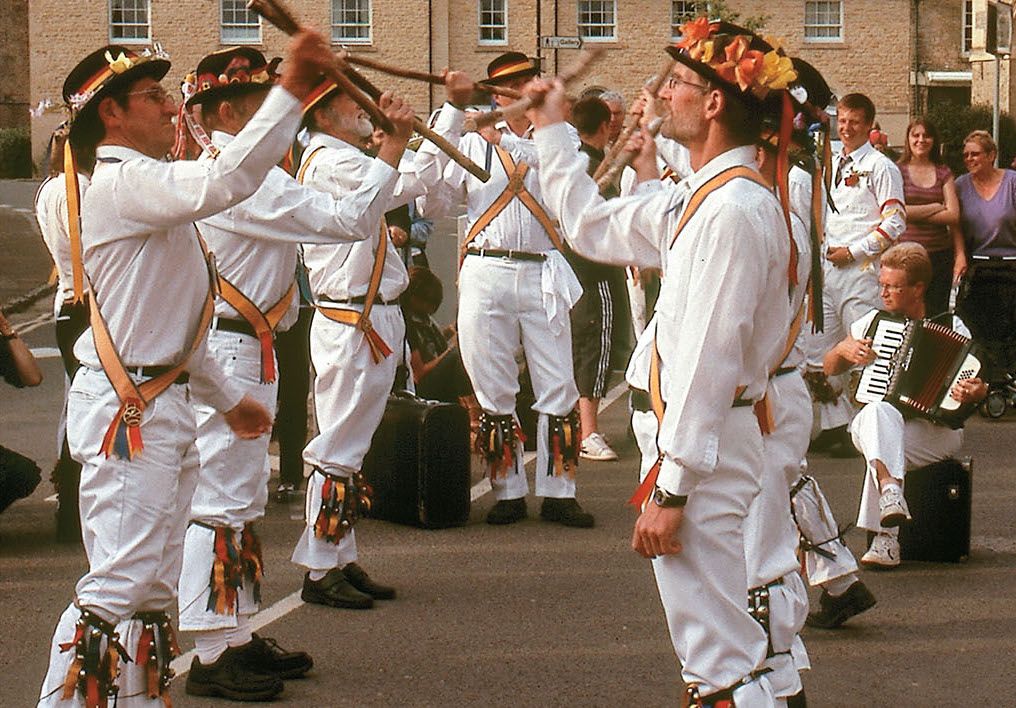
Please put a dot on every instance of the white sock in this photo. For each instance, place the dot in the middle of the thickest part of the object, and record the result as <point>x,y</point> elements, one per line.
<point>240,634</point>
<point>210,644</point>
<point>885,487</point>
<point>838,586</point>
<point>316,575</point>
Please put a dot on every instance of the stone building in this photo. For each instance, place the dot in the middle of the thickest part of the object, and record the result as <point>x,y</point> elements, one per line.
<point>903,53</point>
<point>14,89</point>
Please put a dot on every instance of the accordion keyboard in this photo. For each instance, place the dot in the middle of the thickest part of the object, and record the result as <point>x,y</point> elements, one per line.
<point>970,368</point>
<point>877,376</point>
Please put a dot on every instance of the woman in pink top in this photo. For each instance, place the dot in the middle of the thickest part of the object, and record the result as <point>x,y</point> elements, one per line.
<point>933,211</point>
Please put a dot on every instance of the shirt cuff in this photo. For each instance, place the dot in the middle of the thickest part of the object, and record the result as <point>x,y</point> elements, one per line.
<point>552,137</point>
<point>857,251</point>
<point>281,101</point>
<point>448,125</point>
<point>650,186</point>
<point>675,478</point>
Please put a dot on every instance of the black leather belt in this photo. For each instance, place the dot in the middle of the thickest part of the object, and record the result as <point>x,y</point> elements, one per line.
<point>238,326</point>
<point>151,372</point>
<point>502,253</point>
<point>784,370</point>
<point>359,300</point>
<point>640,400</point>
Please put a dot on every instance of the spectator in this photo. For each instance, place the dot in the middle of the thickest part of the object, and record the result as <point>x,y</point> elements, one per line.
<point>593,315</point>
<point>615,104</point>
<point>933,210</point>
<point>18,475</point>
<point>434,354</point>
<point>987,196</point>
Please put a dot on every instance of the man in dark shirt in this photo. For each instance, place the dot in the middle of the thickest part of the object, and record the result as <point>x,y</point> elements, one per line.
<point>593,315</point>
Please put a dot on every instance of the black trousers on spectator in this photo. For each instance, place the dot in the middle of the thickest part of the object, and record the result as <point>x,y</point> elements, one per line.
<point>447,381</point>
<point>592,321</point>
<point>936,298</point>
<point>292,349</point>
<point>71,321</point>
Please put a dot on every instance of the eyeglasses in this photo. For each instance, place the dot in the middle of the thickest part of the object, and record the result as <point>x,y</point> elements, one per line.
<point>155,94</point>
<point>894,289</point>
<point>673,81</point>
<point>972,154</point>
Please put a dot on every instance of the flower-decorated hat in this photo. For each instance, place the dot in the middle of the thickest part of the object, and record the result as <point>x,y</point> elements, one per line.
<point>230,72</point>
<point>106,70</point>
<point>733,58</point>
<point>326,88</point>
<point>510,65</point>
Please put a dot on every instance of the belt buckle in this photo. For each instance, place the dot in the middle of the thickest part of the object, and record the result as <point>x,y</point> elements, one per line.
<point>508,255</point>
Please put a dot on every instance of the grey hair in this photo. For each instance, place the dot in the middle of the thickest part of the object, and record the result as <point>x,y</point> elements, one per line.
<point>613,96</point>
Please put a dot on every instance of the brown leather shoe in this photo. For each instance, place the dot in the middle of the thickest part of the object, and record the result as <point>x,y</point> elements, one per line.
<point>334,590</point>
<point>566,512</point>
<point>359,579</point>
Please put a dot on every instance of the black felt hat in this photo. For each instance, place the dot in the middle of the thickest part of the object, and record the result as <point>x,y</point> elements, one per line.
<point>511,65</point>
<point>230,72</point>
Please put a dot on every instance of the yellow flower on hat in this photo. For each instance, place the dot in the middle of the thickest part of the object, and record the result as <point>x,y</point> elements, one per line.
<point>119,65</point>
<point>777,71</point>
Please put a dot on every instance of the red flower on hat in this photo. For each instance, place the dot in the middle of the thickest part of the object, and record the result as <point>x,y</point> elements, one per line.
<point>694,32</point>
<point>743,64</point>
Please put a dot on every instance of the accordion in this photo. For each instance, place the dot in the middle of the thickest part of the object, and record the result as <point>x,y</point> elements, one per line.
<point>917,364</point>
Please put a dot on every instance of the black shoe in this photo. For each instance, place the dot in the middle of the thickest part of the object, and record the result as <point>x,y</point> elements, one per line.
<point>507,511</point>
<point>566,512</point>
<point>335,591</point>
<point>283,491</point>
<point>230,677</point>
<point>834,610</point>
<point>822,442</point>
<point>359,579</point>
<point>843,450</point>
<point>263,655</point>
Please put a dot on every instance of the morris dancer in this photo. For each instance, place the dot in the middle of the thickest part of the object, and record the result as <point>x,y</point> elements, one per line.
<point>151,305</point>
<point>256,245</point>
<point>722,316</point>
<point>357,325</point>
<point>515,294</point>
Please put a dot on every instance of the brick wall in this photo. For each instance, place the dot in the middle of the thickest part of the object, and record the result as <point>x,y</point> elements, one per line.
<point>14,89</point>
<point>874,56</point>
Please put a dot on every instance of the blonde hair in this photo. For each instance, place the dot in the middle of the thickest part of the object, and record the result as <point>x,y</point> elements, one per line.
<point>912,259</point>
<point>984,139</point>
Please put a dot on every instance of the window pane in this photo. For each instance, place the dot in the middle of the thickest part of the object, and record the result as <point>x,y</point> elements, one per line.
<point>351,21</point>
<point>128,19</point>
<point>493,21</point>
<point>823,19</point>
<point>596,19</point>
<point>239,25</point>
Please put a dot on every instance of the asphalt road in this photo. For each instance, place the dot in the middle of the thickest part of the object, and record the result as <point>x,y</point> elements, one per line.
<point>536,614</point>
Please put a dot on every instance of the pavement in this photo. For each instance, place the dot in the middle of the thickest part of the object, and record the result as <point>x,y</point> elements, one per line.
<point>533,614</point>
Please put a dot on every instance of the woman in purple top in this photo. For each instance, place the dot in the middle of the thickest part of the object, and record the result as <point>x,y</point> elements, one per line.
<point>933,211</point>
<point>987,195</point>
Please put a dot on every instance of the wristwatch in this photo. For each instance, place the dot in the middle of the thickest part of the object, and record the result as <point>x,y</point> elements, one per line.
<point>667,500</point>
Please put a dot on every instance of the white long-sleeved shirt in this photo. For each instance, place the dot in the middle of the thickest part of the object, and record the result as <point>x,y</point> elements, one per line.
<point>141,251</point>
<point>723,309</point>
<point>870,215</point>
<point>51,213</point>
<point>515,228</point>
<point>255,242</point>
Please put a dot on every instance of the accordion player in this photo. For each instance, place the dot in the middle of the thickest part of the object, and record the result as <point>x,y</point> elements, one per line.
<point>917,364</point>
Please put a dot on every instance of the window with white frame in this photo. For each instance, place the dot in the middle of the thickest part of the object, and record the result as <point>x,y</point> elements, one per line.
<point>493,21</point>
<point>351,21</point>
<point>129,21</point>
<point>681,11</point>
<point>823,20</point>
<point>597,20</point>
<point>968,26</point>
<point>238,24</point>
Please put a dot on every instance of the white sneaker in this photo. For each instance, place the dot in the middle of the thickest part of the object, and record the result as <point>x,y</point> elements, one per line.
<point>892,507</point>
<point>594,447</point>
<point>884,553</point>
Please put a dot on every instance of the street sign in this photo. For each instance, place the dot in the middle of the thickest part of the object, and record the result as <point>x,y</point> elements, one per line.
<point>560,42</point>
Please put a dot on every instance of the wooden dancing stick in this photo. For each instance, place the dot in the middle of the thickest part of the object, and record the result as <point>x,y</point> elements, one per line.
<point>631,122</point>
<point>625,158</point>
<point>573,72</point>
<point>351,58</point>
<point>279,16</point>
<point>276,14</point>
<point>424,130</point>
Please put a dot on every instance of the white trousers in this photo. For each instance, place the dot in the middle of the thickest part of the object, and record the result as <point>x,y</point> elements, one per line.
<point>501,314</point>
<point>703,588</point>
<point>880,433</point>
<point>817,524</point>
<point>847,295</point>
<point>232,487</point>
<point>133,512</point>
<point>350,393</point>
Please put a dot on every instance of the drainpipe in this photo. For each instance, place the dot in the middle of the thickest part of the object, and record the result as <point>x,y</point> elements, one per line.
<point>539,32</point>
<point>916,103</point>
<point>430,55</point>
<point>555,34</point>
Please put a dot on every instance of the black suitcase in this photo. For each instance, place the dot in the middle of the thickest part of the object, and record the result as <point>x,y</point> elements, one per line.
<point>419,463</point>
<point>939,499</point>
